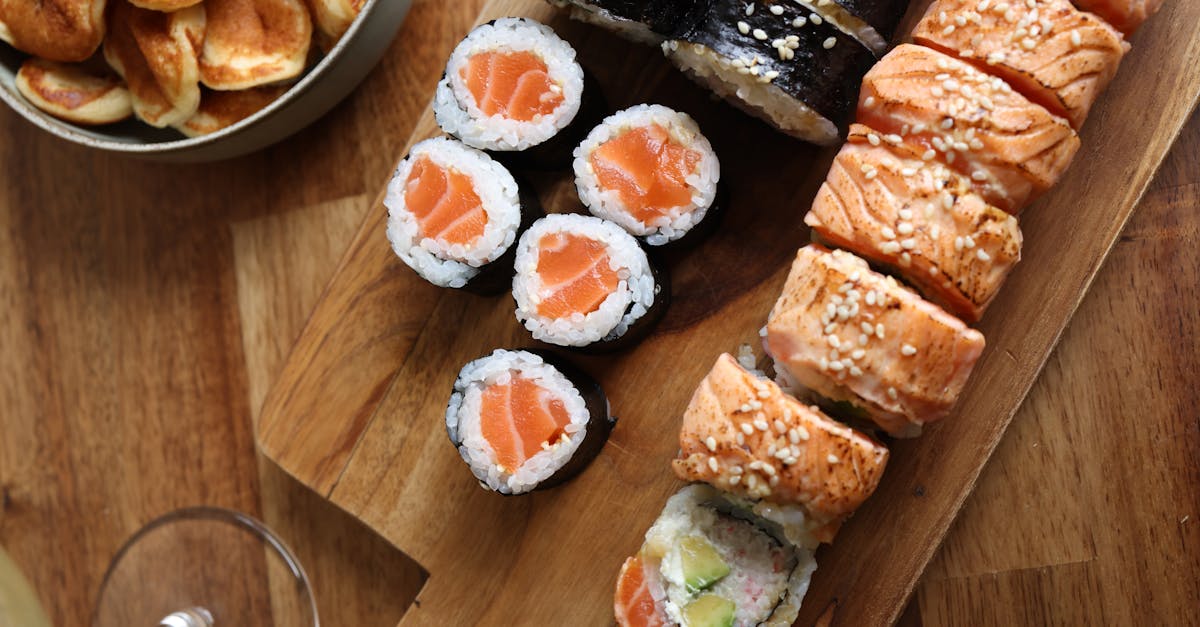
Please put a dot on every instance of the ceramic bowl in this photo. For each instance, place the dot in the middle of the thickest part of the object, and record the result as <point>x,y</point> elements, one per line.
<point>325,84</point>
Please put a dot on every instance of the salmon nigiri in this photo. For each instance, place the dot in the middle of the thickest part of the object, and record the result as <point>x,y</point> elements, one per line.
<point>1011,149</point>
<point>1056,55</point>
<point>853,335</point>
<point>921,218</point>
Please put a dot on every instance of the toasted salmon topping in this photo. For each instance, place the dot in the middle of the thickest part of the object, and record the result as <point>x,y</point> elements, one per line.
<point>648,169</point>
<point>444,203</point>
<point>515,85</point>
<point>519,419</point>
<point>575,273</point>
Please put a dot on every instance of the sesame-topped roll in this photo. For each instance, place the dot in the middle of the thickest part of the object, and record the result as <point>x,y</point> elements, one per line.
<point>1012,149</point>
<point>1056,55</point>
<point>744,436</point>
<point>872,346</point>
<point>776,60</point>
<point>920,218</point>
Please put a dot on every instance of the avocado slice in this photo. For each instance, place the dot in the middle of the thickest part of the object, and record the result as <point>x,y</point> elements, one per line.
<point>709,610</point>
<point>702,564</point>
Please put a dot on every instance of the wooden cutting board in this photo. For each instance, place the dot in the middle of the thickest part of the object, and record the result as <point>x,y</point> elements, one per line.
<point>357,411</point>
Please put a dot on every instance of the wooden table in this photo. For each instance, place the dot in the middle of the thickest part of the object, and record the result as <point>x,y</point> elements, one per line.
<point>144,310</point>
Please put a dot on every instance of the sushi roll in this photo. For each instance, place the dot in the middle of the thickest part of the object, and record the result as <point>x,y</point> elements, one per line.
<point>650,170</point>
<point>775,60</point>
<point>525,421</point>
<point>643,21</point>
<point>873,22</point>
<point>454,214</point>
<point>709,560</point>
<point>1126,15</point>
<point>744,436</point>
<point>513,87</point>
<point>1012,149</point>
<point>582,281</point>
<point>1062,58</point>
<point>874,348</point>
<point>918,218</point>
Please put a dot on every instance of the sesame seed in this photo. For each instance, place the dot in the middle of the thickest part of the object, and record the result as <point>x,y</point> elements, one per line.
<point>869,102</point>
<point>789,460</point>
<point>872,138</point>
<point>889,248</point>
<point>908,350</point>
<point>908,243</point>
<point>888,233</point>
<point>799,22</point>
<point>834,341</point>
<point>735,469</point>
<point>768,470</point>
<point>747,428</point>
<point>741,439</point>
<point>904,228</point>
<point>734,480</point>
<point>891,392</point>
<point>929,154</point>
<point>831,458</point>
<point>750,9</point>
<point>803,433</point>
<point>879,331</point>
<point>829,43</point>
<point>836,366</point>
<point>744,408</point>
<point>743,28</point>
<point>870,298</point>
<point>979,175</point>
<point>776,9</point>
<point>751,481</point>
<point>779,426</point>
<point>711,443</point>
<point>1075,38</point>
<point>983,256</point>
<point>858,354</point>
<point>908,172</point>
<point>969,242</point>
<point>862,340</point>
<point>793,436</point>
<point>958,243</point>
<point>816,19</point>
<point>760,34</point>
<point>712,464</point>
<point>948,123</point>
<point>855,371</point>
<point>754,465</point>
<point>761,425</point>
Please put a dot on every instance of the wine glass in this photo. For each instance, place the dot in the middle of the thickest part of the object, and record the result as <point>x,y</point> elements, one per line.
<point>205,567</point>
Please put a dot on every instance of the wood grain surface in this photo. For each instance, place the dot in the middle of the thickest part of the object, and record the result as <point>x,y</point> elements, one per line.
<point>145,310</point>
<point>356,413</point>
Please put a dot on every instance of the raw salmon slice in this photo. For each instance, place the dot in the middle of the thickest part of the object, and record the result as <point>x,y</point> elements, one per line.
<point>445,204</point>
<point>1056,55</point>
<point>648,169</point>
<point>743,435</point>
<point>921,218</point>
<point>633,603</point>
<point>1125,15</point>
<point>575,274</point>
<point>519,419</point>
<point>851,334</point>
<point>1012,149</point>
<point>515,85</point>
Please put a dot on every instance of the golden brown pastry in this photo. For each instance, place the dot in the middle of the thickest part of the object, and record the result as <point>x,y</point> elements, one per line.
<point>219,109</point>
<point>155,53</point>
<point>333,17</point>
<point>74,92</point>
<point>254,42</point>
<point>57,30</point>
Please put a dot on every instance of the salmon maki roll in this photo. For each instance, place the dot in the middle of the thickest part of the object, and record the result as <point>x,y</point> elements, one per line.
<point>524,421</point>
<point>1012,149</point>
<point>920,218</point>
<point>1056,55</point>
<point>1126,15</point>
<point>743,435</point>
<point>454,215</point>
<point>777,61</point>
<point>865,342</point>
<point>709,560</point>
<point>582,281</point>
<point>650,170</point>
<point>513,86</point>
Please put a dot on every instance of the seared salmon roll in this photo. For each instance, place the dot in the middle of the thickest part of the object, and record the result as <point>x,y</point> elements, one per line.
<point>454,215</point>
<point>920,218</point>
<point>745,436</point>
<point>1126,15</point>
<point>584,282</point>
<point>872,346</point>
<point>524,421</point>
<point>1012,149</point>
<point>1056,55</point>
<point>709,560</point>
<point>650,170</point>
<point>778,61</point>
<point>514,86</point>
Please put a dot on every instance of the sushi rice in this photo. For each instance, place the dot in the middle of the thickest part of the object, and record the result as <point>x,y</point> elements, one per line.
<point>464,425</point>
<point>458,113</point>
<point>453,265</point>
<point>607,204</point>
<point>633,297</point>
